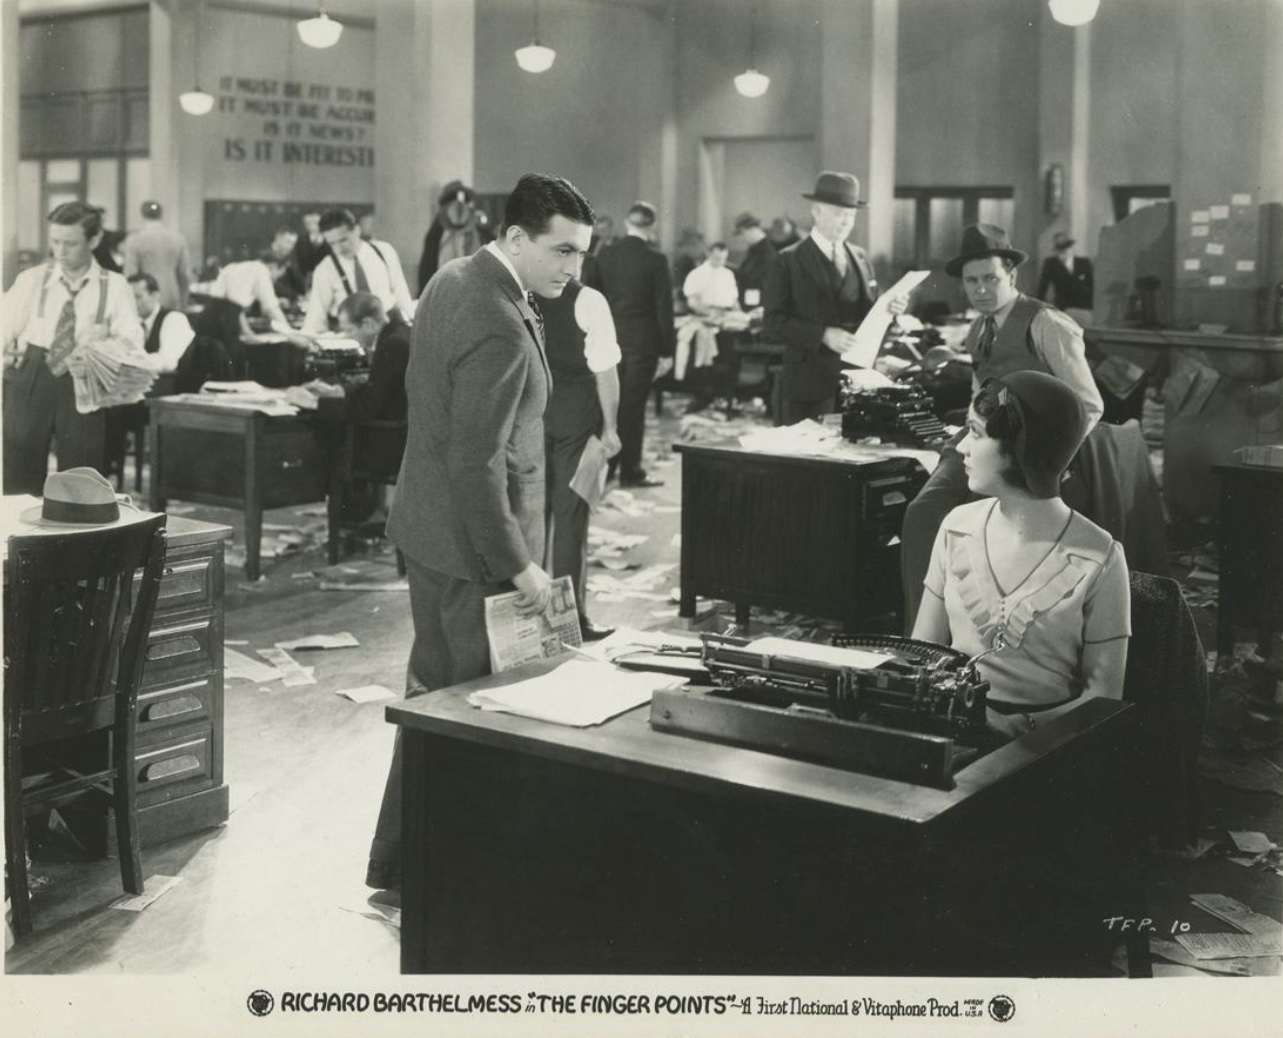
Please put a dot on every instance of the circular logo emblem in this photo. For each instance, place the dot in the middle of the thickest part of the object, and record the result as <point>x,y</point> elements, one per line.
<point>261,1003</point>
<point>1002,1008</point>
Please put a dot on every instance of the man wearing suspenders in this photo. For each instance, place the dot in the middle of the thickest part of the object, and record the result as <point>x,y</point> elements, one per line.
<point>354,265</point>
<point>49,313</point>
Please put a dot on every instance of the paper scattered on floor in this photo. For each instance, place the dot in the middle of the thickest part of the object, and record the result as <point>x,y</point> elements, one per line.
<point>578,693</point>
<point>367,693</point>
<point>1237,914</point>
<point>1229,945</point>
<point>365,585</point>
<point>342,640</point>
<point>1252,842</point>
<point>238,665</point>
<point>153,888</point>
<point>291,672</point>
<point>1173,952</point>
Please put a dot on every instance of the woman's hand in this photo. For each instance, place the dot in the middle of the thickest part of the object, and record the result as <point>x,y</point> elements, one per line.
<point>1012,726</point>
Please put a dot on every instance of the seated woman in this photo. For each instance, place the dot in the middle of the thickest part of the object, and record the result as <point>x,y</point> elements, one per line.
<point>1020,577</point>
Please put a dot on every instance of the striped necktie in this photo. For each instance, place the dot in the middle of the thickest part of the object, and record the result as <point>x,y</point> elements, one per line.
<point>534,308</point>
<point>64,333</point>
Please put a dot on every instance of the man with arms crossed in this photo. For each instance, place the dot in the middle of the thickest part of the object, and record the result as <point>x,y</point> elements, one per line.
<point>469,508</point>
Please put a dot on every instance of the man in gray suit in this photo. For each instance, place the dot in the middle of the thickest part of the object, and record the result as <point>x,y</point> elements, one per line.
<point>469,509</point>
<point>161,252</point>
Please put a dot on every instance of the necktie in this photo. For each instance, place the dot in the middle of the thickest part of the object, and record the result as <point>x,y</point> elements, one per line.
<point>534,307</point>
<point>839,259</point>
<point>985,340</point>
<point>362,282</point>
<point>64,333</point>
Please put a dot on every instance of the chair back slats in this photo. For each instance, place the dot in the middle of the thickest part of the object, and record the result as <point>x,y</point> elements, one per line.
<point>75,650</point>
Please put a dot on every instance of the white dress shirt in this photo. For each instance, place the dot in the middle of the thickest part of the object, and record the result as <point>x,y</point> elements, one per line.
<point>827,246</point>
<point>601,346</point>
<point>246,283</point>
<point>502,257</point>
<point>384,275</point>
<point>175,336</point>
<point>713,287</point>
<point>27,323</point>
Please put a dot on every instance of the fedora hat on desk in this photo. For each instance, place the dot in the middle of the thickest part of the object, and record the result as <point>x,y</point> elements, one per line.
<point>981,240</point>
<point>840,189</point>
<point>80,497</point>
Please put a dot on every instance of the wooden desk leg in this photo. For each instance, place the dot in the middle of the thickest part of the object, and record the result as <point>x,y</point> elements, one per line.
<point>253,498</point>
<point>414,850</point>
<point>157,502</point>
<point>334,513</point>
<point>743,614</point>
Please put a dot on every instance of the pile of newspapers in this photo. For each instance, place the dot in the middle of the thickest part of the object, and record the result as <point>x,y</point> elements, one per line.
<point>113,373</point>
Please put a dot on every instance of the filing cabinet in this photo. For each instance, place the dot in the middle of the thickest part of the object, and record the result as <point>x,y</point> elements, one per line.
<point>179,717</point>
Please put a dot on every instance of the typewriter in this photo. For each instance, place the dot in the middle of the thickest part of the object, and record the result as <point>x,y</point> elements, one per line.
<point>879,704</point>
<point>337,359</point>
<point>899,414</point>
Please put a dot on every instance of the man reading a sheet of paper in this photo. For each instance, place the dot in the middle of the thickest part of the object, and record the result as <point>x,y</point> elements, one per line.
<point>817,293</point>
<point>51,314</point>
<point>469,507</point>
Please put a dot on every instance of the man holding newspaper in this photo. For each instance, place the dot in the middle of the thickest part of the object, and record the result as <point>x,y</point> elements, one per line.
<point>73,344</point>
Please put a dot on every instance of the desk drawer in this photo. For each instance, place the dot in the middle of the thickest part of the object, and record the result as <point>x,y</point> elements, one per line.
<point>180,650</point>
<point>187,583</point>
<point>166,772</point>
<point>160,709</point>
<point>884,499</point>
<point>291,468</point>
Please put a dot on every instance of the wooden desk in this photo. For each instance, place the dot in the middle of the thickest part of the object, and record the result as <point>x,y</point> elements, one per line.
<point>1251,541</point>
<point>535,848</point>
<point>234,458</point>
<point>179,716</point>
<point>815,535</point>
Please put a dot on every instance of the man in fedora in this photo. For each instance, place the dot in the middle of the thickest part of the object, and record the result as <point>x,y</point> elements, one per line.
<point>1013,333</point>
<point>816,294</point>
<point>1069,277</point>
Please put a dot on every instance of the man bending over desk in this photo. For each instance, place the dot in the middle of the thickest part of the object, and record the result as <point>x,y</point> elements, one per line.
<point>386,341</point>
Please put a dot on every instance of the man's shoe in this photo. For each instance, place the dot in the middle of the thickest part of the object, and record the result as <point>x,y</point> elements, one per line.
<point>592,632</point>
<point>383,875</point>
<point>642,480</point>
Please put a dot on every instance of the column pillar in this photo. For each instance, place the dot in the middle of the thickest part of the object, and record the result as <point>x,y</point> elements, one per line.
<point>1064,108</point>
<point>858,109</point>
<point>426,91</point>
<point>10,62</point>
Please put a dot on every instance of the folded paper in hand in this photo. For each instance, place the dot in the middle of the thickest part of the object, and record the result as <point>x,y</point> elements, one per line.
<point>589,480</point>
<point>577,693</point>
<point>873,329</point>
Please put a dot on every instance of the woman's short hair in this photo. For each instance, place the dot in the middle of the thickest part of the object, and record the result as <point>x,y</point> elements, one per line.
<point>89,217</point>
<point>537,198</point>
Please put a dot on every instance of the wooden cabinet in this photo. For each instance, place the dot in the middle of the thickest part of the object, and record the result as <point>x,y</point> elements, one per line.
<point>179,756</point>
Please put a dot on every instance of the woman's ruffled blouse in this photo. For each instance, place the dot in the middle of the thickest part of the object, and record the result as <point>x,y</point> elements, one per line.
<point>1076,595</point>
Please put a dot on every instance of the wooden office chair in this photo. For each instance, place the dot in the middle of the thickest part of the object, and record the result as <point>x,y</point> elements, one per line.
<point>1167,680</point>
<point>371,452</point>
<point>77,620</point>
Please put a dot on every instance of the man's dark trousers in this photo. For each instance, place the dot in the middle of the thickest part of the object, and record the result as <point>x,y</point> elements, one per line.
<point>450,646</point>
<point>40,408</point>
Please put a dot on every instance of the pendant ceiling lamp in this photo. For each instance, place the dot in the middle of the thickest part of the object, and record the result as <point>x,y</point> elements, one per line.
<point>534,56</point>
<point>1073,12</point>
<point>196,101</point>
<point>320,31</point>
<point>750,82</point>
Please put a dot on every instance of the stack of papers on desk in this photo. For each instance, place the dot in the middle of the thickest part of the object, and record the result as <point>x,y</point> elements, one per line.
<point>579,693</point>
<point>245,396</point>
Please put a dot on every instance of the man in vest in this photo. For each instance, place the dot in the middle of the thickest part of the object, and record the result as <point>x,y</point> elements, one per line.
<point>353,265</point>
<point>166,333</point>
<point>583,355</point>
<point>50,314</point>
<point>1013,333</point>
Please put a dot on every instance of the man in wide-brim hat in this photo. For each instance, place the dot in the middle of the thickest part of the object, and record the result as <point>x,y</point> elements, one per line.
<point>1013,333</point>
<point>816,294</point>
